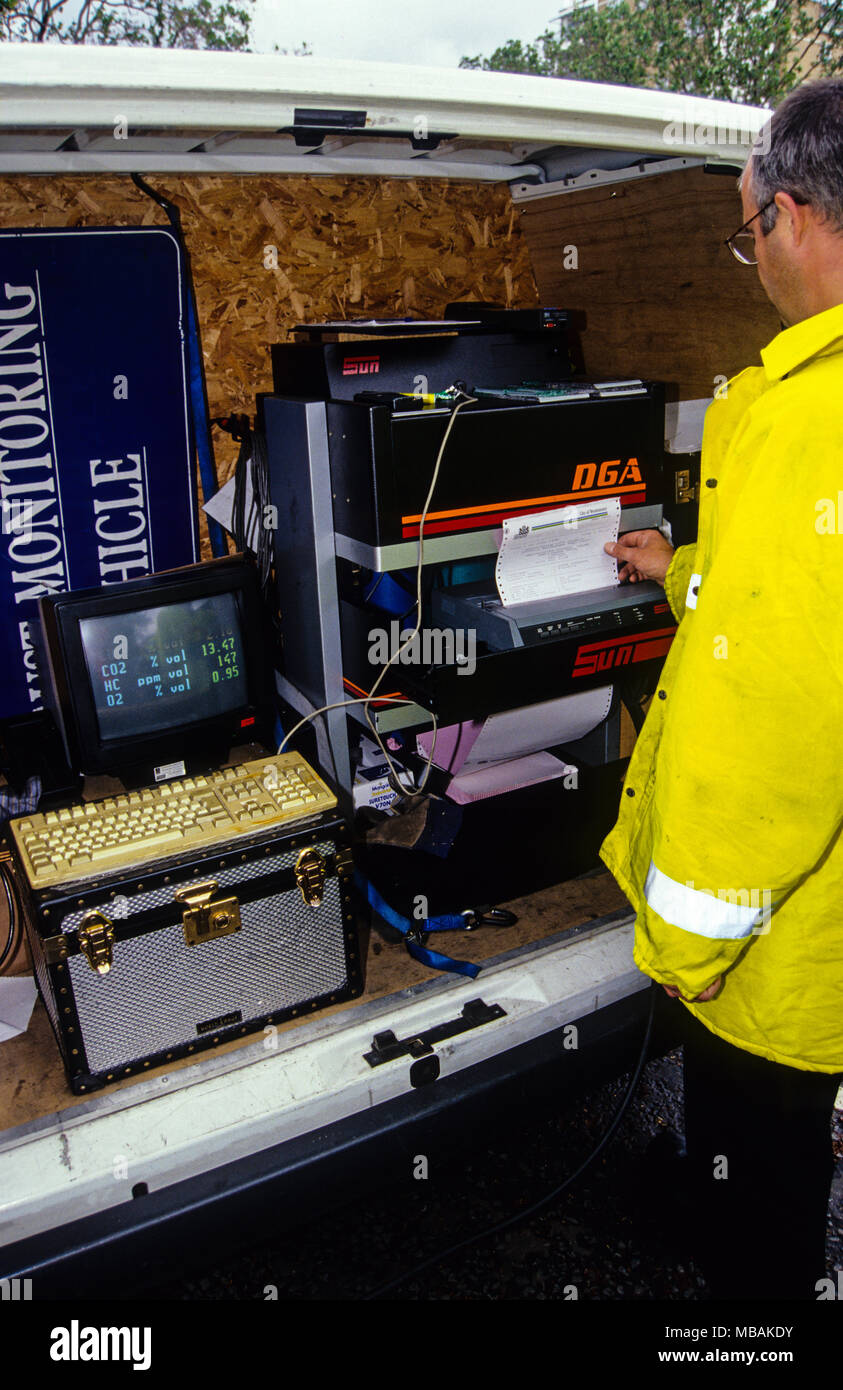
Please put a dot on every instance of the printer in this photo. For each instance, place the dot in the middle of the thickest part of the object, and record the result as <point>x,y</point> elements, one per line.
<point>354,428</point>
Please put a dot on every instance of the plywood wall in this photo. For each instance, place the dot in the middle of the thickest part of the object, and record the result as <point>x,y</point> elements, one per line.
<point>663,297</point>
<point>269,252</point>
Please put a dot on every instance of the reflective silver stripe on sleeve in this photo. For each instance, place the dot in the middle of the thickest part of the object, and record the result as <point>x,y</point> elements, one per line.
<point>704,912</point>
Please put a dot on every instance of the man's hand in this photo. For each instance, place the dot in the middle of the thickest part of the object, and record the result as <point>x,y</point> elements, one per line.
<point>644,555</point>
<point>700,998</point>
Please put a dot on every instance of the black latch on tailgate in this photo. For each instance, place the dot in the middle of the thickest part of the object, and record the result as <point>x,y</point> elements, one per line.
<point>386,1047</point>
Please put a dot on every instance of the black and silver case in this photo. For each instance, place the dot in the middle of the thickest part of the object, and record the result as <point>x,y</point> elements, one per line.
<point>153,963</point>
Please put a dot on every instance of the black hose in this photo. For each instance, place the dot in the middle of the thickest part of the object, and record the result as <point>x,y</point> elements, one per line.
<point>13,940</point>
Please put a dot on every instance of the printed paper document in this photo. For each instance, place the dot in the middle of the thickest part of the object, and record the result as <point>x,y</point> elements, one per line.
<point>549,554</point>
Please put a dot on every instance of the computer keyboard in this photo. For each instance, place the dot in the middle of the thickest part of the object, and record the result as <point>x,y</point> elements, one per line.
<point>159,822</point>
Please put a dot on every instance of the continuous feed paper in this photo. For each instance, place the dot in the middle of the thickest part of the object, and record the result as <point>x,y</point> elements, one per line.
<point>519,732</point>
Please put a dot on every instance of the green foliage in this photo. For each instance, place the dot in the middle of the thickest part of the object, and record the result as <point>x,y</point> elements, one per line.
<point>738,50</point>
<point>155,23</point>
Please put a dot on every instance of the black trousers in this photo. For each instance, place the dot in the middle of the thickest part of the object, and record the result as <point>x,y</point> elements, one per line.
<point>758,1136</point>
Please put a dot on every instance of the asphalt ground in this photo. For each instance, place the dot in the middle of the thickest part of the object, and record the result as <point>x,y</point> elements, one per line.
<point>611,1236</point>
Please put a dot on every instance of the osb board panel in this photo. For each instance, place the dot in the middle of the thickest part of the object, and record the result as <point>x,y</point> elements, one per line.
<point>267,253</point>
<point>663,297</point>
<point>32,1081</point>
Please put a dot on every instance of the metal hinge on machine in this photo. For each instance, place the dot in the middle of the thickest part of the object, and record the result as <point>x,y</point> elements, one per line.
<point>683,489</point>
<point>204,920</point>
<point>310,876</point>
<point>96,941</point>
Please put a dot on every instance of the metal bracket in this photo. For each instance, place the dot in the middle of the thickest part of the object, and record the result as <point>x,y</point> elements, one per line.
<point>344,861</point>
<point>55,949</point>
<point>683,490</point>
<point>386,1047</point>
<point>642,167</point>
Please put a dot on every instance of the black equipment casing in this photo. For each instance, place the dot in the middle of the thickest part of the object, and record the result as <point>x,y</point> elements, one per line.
<point>337,371</point>
<point>503,459</point>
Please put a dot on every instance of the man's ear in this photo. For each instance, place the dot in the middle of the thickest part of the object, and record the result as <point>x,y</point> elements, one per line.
<point>796,217</point>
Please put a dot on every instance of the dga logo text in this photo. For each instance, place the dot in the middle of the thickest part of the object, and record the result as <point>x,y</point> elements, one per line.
<point>609,473</point>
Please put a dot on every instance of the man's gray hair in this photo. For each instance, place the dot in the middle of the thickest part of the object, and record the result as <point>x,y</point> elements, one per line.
<point>800,152</point>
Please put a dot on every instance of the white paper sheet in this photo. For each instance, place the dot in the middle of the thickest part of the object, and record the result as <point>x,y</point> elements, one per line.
<point>548,554</point>
<point>17,1000</point>
<point>497,778</point>
<point>221,508</point>
<point>683,425</point>
<point>402,326</point>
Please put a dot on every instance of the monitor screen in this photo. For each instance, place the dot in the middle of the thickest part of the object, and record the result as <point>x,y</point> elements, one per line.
<point>161,667</point>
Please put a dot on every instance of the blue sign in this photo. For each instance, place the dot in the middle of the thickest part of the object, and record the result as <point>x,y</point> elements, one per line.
<point>97,481</point>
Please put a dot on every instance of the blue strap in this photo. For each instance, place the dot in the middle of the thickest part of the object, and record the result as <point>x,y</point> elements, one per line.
<point>434,959</point>
<point>201,427</point>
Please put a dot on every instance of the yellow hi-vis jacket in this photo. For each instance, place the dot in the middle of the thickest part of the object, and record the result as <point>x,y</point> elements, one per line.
<point>728,842</point>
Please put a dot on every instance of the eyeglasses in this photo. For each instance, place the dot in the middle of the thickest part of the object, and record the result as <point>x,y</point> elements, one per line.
<point>742,242</point>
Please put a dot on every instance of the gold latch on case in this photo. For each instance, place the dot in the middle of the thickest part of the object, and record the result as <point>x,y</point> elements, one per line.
<point>204,920</point>
<point>310,876</point>
<point>96,941</point>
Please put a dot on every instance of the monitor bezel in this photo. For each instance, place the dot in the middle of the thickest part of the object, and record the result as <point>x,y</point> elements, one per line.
<point>194,742</point>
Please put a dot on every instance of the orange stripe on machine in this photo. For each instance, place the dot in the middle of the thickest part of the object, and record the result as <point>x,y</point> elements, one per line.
<point>612,477</point>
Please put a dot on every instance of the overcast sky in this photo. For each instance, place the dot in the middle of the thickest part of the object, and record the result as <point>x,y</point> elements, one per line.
<point>430,32</point>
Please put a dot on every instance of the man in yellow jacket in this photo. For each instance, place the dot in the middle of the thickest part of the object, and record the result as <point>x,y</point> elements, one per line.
<point>729,840</point>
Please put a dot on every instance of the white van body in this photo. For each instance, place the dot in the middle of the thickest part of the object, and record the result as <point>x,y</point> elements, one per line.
<point>67,1179</point>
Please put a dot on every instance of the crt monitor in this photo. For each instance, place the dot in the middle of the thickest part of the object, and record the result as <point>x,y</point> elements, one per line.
<point>157,676</point>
